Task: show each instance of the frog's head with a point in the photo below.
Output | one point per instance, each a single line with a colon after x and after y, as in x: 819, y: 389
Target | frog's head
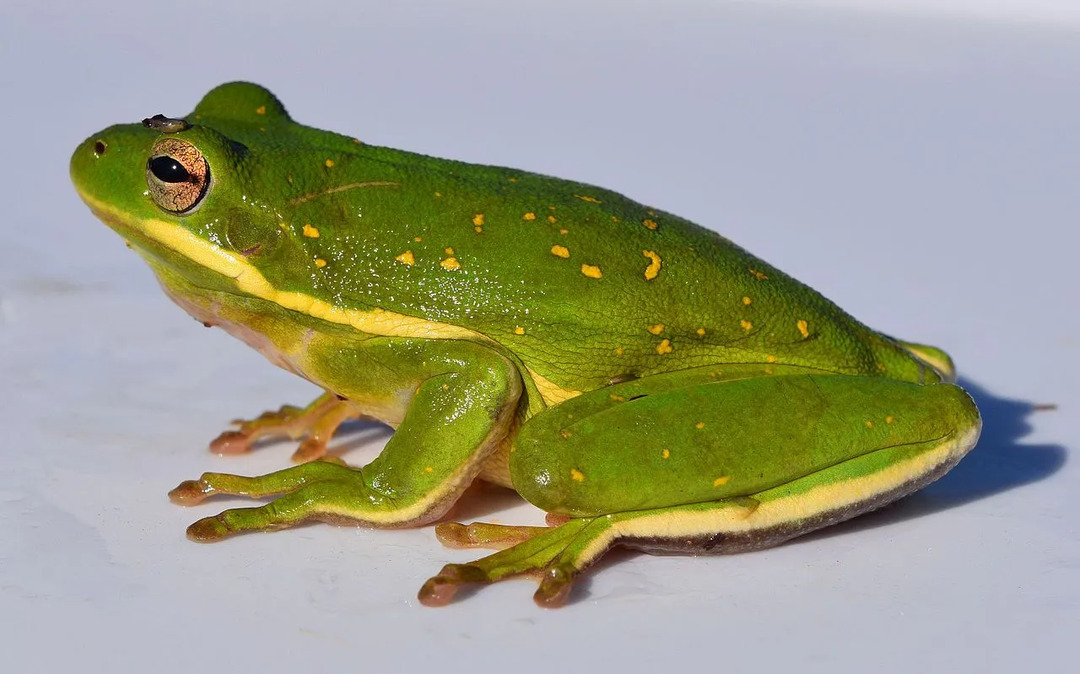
x: 189, y: 194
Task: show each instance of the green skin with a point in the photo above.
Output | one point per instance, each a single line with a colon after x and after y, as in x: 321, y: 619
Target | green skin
x: 640, y: 378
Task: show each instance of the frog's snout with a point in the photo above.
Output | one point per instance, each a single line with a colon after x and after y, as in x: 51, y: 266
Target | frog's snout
x: 83, y: 160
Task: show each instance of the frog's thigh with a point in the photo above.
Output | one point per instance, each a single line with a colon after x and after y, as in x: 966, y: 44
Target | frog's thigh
x: 459, y: 398
x: 710, y: 442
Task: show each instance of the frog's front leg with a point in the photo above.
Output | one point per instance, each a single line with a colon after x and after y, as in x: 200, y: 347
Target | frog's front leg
x: 713, y: 467
x: 316, y: 423
x: 459, y: 398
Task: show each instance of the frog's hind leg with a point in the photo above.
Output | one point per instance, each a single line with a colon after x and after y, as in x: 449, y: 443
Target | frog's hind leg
x: 715, y: 468
x: 316, y: 423
x: 737, y: 524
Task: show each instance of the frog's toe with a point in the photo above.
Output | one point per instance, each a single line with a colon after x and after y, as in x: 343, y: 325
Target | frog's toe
x: 232, y: 442
x: 190, y: 492
x: 483, y: 535
x: 312, y: 448
x: 440, y: 590
x: 555, y: 586
x: 207, y: 530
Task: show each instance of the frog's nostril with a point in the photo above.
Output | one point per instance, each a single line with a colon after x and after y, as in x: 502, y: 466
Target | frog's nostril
x: 99, y: 148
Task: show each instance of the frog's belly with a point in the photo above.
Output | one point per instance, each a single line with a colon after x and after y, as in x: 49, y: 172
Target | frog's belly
x: 210, y: 313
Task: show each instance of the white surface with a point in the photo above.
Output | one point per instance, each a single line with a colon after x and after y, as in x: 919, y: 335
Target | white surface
x: 917, y: 167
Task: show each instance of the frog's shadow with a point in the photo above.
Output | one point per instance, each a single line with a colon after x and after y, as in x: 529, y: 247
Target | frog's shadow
x: 998, y: 463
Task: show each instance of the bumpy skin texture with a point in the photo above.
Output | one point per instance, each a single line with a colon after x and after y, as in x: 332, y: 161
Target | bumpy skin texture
x: 466, y: 304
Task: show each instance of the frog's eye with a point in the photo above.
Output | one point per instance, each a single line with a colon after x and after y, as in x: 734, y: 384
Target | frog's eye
x: 177, y: 175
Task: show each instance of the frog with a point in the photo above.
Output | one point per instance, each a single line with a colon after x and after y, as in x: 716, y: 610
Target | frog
x: 639, y: 378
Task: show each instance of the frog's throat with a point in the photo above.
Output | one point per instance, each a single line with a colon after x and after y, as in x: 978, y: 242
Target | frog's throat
x: 250, y: 281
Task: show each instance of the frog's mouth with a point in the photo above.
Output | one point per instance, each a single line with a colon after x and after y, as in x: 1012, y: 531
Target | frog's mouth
x: 165, y: 242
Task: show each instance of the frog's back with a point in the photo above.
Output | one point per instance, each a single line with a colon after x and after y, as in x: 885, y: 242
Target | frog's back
x: 581, y: 284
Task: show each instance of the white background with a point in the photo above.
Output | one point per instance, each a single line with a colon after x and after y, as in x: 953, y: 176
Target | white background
x: 919, y: 166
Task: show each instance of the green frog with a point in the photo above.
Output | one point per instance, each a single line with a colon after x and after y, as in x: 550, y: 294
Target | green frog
x: 640, y: 378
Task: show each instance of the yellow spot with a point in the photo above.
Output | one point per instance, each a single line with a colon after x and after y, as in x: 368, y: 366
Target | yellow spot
x: 418, y: 239
x: 478, y: 230
x: 518, y: 330
x: 758, y: 275
x: 565, y: 433
x: 656, y: 329
x: 699, y: 425
x: 588, y: 199
x: 747, y: 301
x: 511, y: 180
x: 283, y: 227
x: 880, y: 367
x: 429, y: 469
x: 701, y: 332
x: 478, y: 219
x: 564, y: 231
x: 869, y: 424
x: 438, y: 194
x: 576, y: 475
x: 289, y: 180
x: 406, y: 258
x: 889, y: 420
x: 560, y: 251
x: 664, y: 347
x: 619, y: 351
x: 653, y: 269
x: 329, y: 163
x: 801, y: 324
x: 529, y: 216
x: 649, y: 223
x: 310, y: 232
x: 616, y: 398
x: 722, y: 480
x: 552, y: 219
x: 591, y: 270
x: 665, y: 453
x: 614, y: 219
x: 356, y: 140
x: 448, y: 250
x: 261, y: 110
x: 450, y: 264
x: 320, y: 263
x: 770, y: 359
x: 746, y: 325
x: 445, y: 387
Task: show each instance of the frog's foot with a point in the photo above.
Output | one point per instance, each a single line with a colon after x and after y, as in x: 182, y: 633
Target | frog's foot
x: 316, y: 423
x: 318, y: 490
x: 560, y: 554
x: 554, y: 552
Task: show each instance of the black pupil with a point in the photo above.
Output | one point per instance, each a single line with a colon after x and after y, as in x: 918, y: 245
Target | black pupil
x: 168, y: 170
